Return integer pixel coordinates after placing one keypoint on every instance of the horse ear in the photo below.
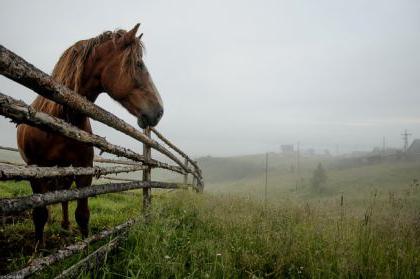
(130, 36)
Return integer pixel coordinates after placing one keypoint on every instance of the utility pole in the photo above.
(383, 144)
(405, 136)
(298, 165)
(266, 179)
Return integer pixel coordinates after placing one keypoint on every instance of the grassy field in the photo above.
(363, 222)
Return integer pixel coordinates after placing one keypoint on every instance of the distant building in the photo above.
(414, 149)
(287, 148)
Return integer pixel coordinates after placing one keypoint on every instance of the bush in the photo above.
(319, 177)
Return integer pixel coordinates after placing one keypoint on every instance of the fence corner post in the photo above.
(147, 195)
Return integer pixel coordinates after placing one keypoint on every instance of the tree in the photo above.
(319, 177)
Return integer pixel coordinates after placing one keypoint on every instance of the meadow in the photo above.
(363, 222)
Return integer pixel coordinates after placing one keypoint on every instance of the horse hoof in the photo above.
(38, 251)
(39, 245)
(85, 232)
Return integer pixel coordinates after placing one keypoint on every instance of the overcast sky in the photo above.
(241, 77)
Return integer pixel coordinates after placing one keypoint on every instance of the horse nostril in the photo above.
(160, 113)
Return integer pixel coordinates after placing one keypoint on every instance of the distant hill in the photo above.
(227, 169)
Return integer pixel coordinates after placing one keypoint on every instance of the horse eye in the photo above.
(140, 65)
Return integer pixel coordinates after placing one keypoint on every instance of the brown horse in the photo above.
(112, 63)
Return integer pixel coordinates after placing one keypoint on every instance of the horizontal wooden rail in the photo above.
(92, 261)
(16, 68)
(179, 185)
(114, 161)
(119, 178)
(28, 172)
(19, 112)
(63, 253)
(11, 163)
(153, 163)
(9, 148)
(179, 151)
(95, 159)
(9, 205)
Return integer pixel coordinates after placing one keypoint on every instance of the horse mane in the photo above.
(70, 67)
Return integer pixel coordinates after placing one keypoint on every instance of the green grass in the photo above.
(211, 236)
(16, 238)
(363, 223)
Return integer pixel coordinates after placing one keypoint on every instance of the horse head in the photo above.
(124, 76)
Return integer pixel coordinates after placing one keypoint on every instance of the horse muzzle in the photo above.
(149, 119)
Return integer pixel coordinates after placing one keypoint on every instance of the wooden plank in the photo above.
(19, 112)
(11, 163)
(92, 261)
(179, 151)
(22, 113)
(63, 253)
(9, 205)
(119, 178)
(99, 159)
(152, 163)
(9, 148)
(9, 172)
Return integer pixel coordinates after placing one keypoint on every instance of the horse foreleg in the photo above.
(82, 213)
(64, 183)
(39, 214)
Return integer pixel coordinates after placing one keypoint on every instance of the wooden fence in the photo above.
(16, 68)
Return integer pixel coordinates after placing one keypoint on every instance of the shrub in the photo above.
(319, 177)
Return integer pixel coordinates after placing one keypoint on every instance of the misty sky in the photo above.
(241, 77)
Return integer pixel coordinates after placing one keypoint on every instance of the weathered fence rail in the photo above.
(63, 253)
(9, 172)
(19, 70)
(10, 205)
(179, 151)
(19, 112)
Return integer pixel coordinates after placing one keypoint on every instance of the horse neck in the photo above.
(87, 89)
(89, 86)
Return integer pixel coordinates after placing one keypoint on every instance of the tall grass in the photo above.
(211, 236)
(364, 223)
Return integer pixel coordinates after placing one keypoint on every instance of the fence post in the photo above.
(194, 183)
(199, 182)
(147, 195)
(186, 173)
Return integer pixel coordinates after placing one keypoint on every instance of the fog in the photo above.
(242, 77)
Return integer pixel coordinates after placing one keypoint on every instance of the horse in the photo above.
(113, 63)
